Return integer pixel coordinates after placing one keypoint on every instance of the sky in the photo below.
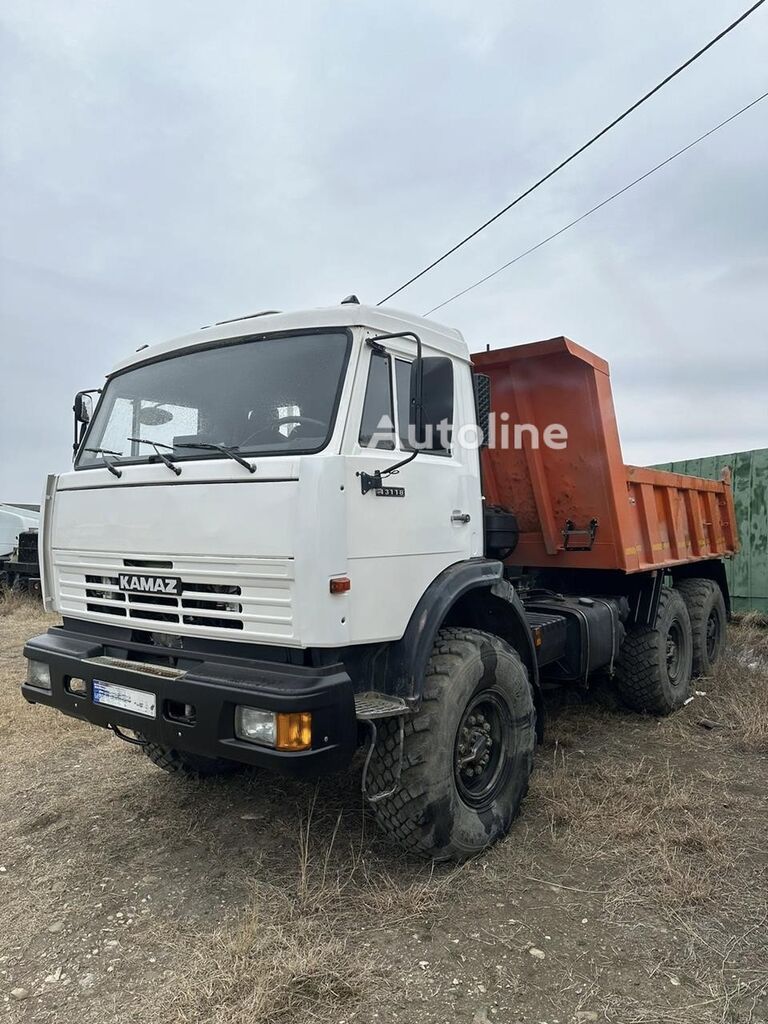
(167, 165)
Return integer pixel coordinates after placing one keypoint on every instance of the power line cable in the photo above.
(599, 206)
(576, 153)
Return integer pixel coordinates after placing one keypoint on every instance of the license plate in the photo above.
(138, 702)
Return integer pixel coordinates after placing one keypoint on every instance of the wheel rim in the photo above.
(713, 634)
(674, 652)
(481, 749)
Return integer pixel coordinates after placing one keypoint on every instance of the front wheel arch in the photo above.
(471, 594)
(499, 611)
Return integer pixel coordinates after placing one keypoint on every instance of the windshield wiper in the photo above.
(225, 449)
(166, 459)
(107, 462)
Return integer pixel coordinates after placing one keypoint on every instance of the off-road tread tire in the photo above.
(409, 814)
(700, 596)
(179, 762)
(641, 675)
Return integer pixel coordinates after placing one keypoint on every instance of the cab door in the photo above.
(427, 515)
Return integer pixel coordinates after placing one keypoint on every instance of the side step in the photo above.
(379, 705)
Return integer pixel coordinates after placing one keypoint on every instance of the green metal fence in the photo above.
(748, 571)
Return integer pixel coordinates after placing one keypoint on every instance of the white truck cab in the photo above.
(310, 402)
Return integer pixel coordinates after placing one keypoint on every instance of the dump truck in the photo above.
(293, 537)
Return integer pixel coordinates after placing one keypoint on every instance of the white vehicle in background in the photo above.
(15, 518)
(19, 566)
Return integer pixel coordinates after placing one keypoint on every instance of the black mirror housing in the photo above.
(82, 407)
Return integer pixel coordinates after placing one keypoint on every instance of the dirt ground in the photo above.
(632, 889)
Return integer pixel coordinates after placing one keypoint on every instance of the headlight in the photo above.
(38, 674)
(256, 726)
(292, 731)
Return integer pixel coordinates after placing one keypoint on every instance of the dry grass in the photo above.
(656, 829)
(22, 615)
(23, 607)
(10, 602)
(277, 962)
(273, 900)
(738, 695)
(660, 824)
(301, 951)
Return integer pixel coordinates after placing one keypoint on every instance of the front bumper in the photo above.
(213, 687)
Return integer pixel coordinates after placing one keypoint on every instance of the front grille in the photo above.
(248, 596)
(195, 598)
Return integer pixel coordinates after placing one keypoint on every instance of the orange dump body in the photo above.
(582, 495)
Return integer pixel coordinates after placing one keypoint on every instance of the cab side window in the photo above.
(439, 386)
(377, 425)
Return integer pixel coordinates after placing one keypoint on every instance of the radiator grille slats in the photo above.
(250, 597)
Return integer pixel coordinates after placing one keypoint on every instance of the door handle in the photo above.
(460, 517)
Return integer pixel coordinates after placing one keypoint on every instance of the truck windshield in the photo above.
(268, 396)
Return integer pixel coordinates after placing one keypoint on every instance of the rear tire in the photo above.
(467, 754)
(180, 762)
(706, 607)
(653, 670)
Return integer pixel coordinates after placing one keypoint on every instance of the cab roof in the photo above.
(351, 314)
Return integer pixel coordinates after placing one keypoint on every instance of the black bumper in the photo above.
(213, 688)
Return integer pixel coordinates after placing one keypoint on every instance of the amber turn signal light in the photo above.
(294, 730)
(340, 585)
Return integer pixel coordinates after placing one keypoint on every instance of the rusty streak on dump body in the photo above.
(647, 518)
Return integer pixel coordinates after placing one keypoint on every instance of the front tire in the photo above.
(653, 670)
(179, 762)
(467, 755)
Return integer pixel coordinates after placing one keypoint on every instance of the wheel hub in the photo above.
(481, 750)
(673, 651)
(475, 745)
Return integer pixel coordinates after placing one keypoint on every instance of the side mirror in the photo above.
(83, 410)
(482, 386)
(83, 407)
(431, 402)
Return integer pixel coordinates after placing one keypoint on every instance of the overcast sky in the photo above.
(168, 164)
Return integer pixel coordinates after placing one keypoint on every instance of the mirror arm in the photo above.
(377, 339)
(373, 481)
(399, 465)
